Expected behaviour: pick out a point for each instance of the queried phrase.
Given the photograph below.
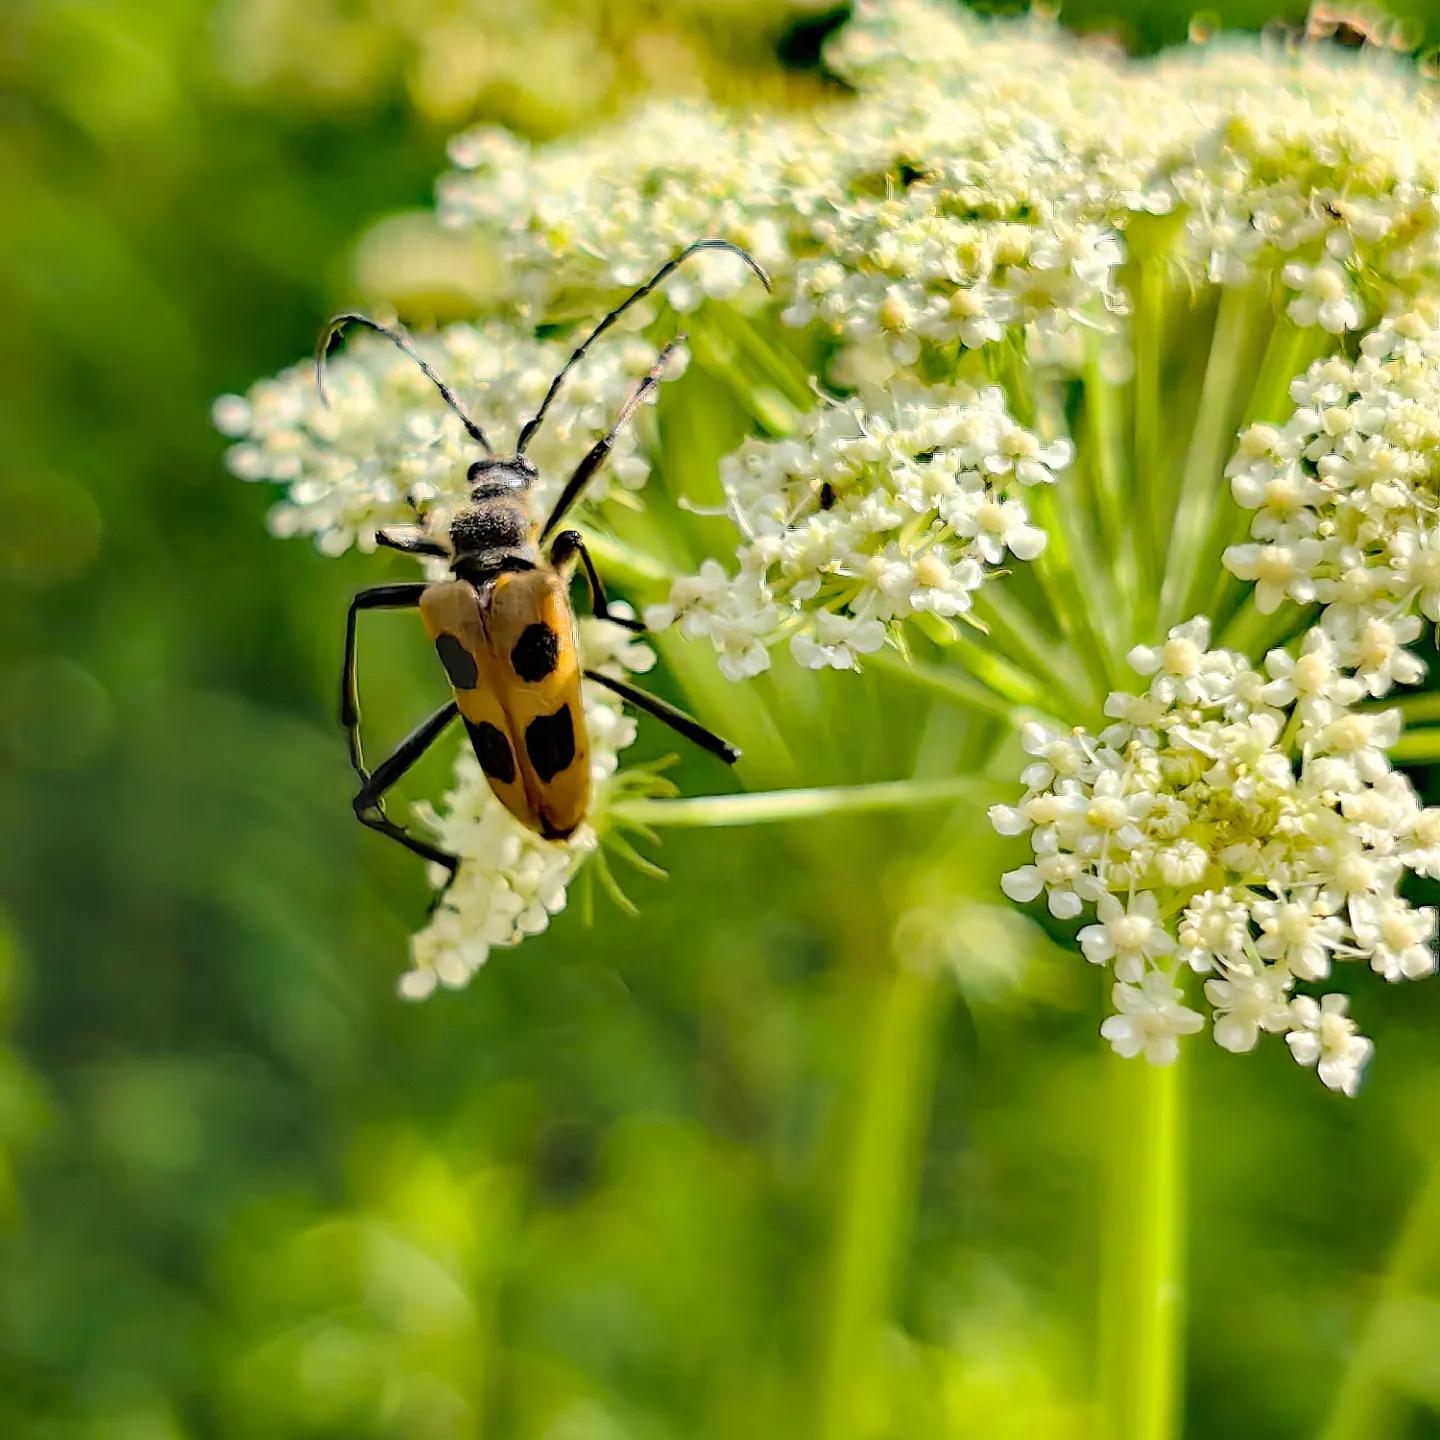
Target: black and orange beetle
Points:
(503, 627)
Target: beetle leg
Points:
(667, 714)
(587, 469)
(567, 545)
(369, 800)
(378, 597)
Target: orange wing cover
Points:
(509, 651)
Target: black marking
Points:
(827, 496)
(550, 742)
(492, 750)
(481, 569)
(536, 652)
(459, 663)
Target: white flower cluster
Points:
(510, 881)
(1308, 162)
(988, 177)
(387, 449)
(1346, 496)
(1236, 823)
(871, 514)
(591, 216)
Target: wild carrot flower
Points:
(870, 514)
(1002, 261)
(1233, 823)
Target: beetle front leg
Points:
(567, 545)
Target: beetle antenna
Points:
(533, 424)
(399, 339)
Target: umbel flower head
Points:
(1002, 260)
(872, 513)
(1239, 823)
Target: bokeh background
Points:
(723, 1170)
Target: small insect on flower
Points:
(503, 627)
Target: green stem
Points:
(1014, 632)
(1074, 585)
(1416, 747)
(1365, 1403)
(769, 807)
(1202, 484)
(1418, 709)
(1143, 1253)
(1108, 461)
(1254, 634)
(1150, 477)
(955, 687)
(1007, 679)
(898, 1010)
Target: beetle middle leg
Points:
(567, 545)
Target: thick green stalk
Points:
(897, 1010)
(1143, 1253)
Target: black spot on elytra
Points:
(550, 742)
(492, 750)
(458, 662)
(535, 653)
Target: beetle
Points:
(503, 626)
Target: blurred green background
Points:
(725, 1170)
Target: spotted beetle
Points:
(503, 627)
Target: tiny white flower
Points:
(1323, 1035)
(1245, 1004)
(1151, 1017)
(1126, 937)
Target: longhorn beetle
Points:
(503, 627)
